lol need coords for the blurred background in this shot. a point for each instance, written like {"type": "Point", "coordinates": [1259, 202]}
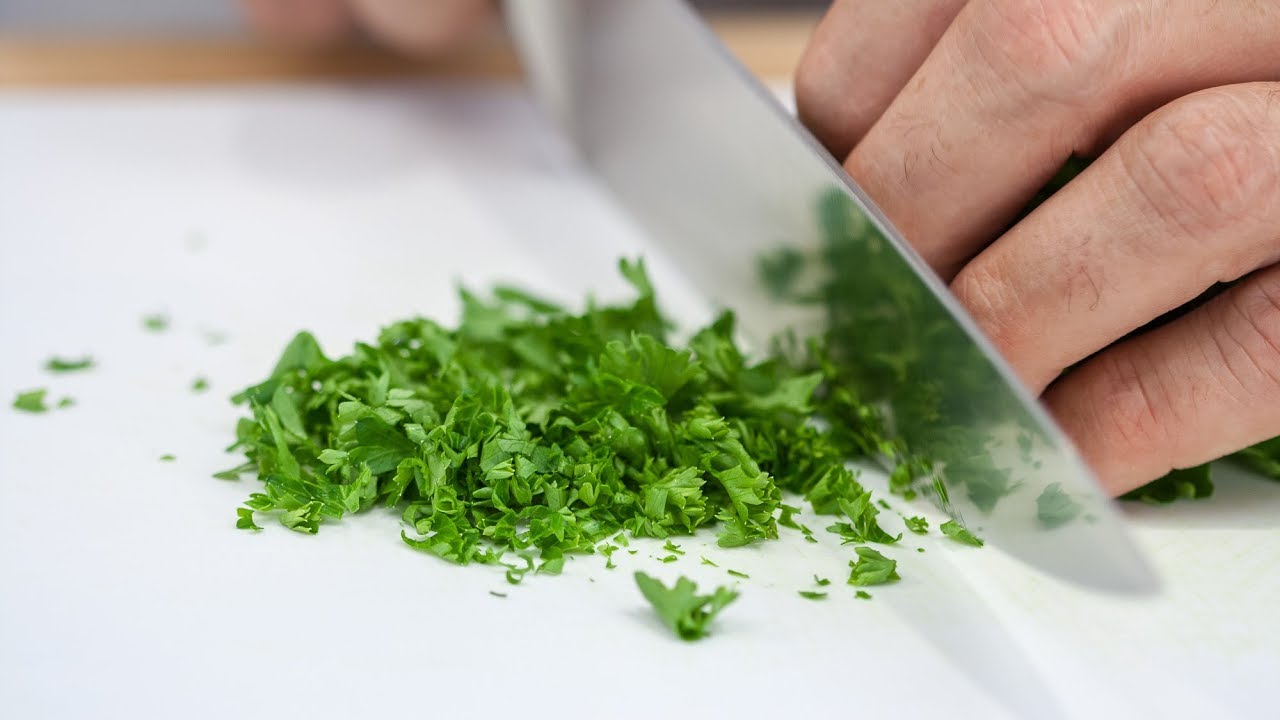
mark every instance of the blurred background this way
{"type": "Point", "coordinates": [52, 42]}
{"type": "Point", "coordinates": [206, 16]}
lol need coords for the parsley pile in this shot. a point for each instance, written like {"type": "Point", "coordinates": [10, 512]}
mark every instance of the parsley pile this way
{"type": "Point", "coordinates": [532, 431]}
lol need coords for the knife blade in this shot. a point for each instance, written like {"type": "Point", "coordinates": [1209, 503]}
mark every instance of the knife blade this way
{"type": "Point", "coordinates": [766, 222]}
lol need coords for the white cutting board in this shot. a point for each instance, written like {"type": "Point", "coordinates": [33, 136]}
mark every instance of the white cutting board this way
{"type": "Point", "coordinates": [126, 591]}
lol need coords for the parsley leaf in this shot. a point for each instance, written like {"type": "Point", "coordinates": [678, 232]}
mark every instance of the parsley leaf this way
{"type": "Point", "coordinates": [681, 608]}
{"type": "Point", "coordinates": [872, 568]}
{"type": "Point", "coordinates": [155, 323]}
{"type": "Point", "coordinates": [917, 524]}
{"type": "Point", "coordinates": [960, 533]}
{"type": "Point", "coordinates": [812, 595]}
{"type": "Point", "coordinates": [65, 365]}
{"type": "Point", "coordinates": [199, 385]}
{"type": "Point", "coordinates": [32, 401]}
{"type": "Point", "coordinates": [1055, 508]}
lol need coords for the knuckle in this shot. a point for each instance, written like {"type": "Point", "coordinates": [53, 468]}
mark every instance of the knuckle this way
{"type": "Point", "coordinates": [819, 102]}
{"type": "Point", "coordinates": [1256, 304]}
{"type": "Point", "coordinates": [1059, 50]}
{"type": "Point", "coordinates": [982, 289]}
{"type": "Point", "coordinates": [1130, 407]}
{"type": "Point", "coordinates": [1205, 162]}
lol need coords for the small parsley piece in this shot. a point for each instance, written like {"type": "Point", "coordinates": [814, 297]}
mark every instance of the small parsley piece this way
{"type": "Point", "coordinates": [66, 402]}
{"type": "Point", "coordinates": [670, 558]}
{"type": "Point", "coordinates": [65, 365]}
{"type": "Point", "coordinates": [917, 524]}
{"type": "Point", "coordinates": [168, 457]}
{"type": "Point", "coordinates": [681, 608]}
{"type": "Point", "coordinates": [608, 551]}
{"type": "Point", "coordinates": [244, 519]}
{"type": "Point", "coordinates": [862, 595]}
{"type": "Point", "coordinates": [737, 573]}
{"type": "Point", "coordinates": [497, 594]}
{"type": "Point", "coordinates": [1055, 508]}
{"type": "Point", "coordinates": [32, 401]}
{"type": "Point", "coordinates": [872, 568]}
{"type": "Point", "coordinates": [820, 581]}
{"type": "Point", "coordinates": [199, 385]}
{"type": "Point", "coordinates": [672, 547]}
{"type": "Point", "coordinates": [706, 561]}
{"type": "Point", "coordinates": [960, 533]}
{"type": "Point", "coordinates": [812, 595]}
{"type": "Point", "coordinates": [156, 323]}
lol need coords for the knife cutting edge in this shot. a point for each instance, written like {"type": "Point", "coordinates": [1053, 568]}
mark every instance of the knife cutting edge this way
{"type": "Point", "coordinates": [756, 212]}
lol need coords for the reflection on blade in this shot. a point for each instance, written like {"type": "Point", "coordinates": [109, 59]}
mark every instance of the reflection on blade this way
{"type": "Point", "coordinates": [766, 223]}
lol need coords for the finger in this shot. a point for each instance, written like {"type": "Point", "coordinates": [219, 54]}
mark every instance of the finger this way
{"type": "Point", "coordinates": [1015, 86]}
{"type": "Point", "coordinates": [309, 21]}
{"type": "Point", "coordinates": [1187, 198]}
{"type": "Point", "coordinates": [422, 28]}
{"type": "Point", "coordinates": [859, 57]}
{"type": "Point", "coordinates": [1201, 387]}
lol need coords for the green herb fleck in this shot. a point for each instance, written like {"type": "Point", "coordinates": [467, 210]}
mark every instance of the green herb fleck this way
{"type": "Point", "coordinates": [199, 385]}
{"type": "Point", "coordinates": [917, 524]}
{"type": "Point", "coordinates": [1055, 507]}
{"type": "Point", "coordinates": [812, 595]}
{"type": "Point", "coordinates": [681, 608]}
{"type": "Point", "coordinates": [737, 573]}
{"type": "Point", "coordinates": [168, 457]}
{"type": "Point", "coordinates": [244, 519]}
{"type": "Point", "coordinates": [497, 594]}
{"type": "Point", "coordinates": [707, 561]}
{"type": "Point", "coordinates": [862, 595]}
{"type": "Point", "coordinates": [155, 323]}
{"type": "Point", "coordinates": [821, 581]}
{"type": "Point", "coordinates": [960, 533]}
{"type": "Point", "coordinates": [672, 547]}
{"type": "Point", "coordinates": [65, 365]}
{"type": "Point", "coordinates": [32, 401]}
{"type": "Point", "coordinates": [872, 568]}
{"type": "Point", "coordinates": [670, 558]}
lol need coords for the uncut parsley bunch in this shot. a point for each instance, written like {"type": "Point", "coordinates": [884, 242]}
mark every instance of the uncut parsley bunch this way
{"type": "Point", "coordinates": [533, 430]}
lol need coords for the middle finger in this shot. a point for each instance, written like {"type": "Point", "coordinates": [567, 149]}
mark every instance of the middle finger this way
{"type": "Point", "coordinates": [1014, 87]}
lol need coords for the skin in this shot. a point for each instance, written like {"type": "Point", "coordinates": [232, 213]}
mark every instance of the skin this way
{"type": "Point", "coordinates": [952, 113]}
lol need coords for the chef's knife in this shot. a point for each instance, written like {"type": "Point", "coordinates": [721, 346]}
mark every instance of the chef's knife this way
{"type": "Point", "coordinates": [766, 222]}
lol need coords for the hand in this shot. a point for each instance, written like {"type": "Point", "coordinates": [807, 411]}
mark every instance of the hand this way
{"type": "Point", "coordinates": [415, 27]}
{"type": "Point", "coordinates": [952, 113]}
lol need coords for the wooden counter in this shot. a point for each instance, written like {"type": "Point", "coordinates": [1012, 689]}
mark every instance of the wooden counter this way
{"type": "Point", "coordinates": [770, 44]}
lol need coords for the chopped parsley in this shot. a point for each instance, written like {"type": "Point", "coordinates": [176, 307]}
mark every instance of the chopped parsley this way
{"type": "Point", "coordinates": [32, 401]}
{"type": "Point", "coordinates": [707, 561]}
{"type": "Point", "coordinates": [199, 385]}
{"type": "Point", "coordinates": [168, 457]}
{"type": "Point", "coordinates": [872, 568]}
{"type": "Point", "coordinates": [65, 365]}
{"type": "Point", "coordinates": [917, 524]}
{"type": "Point", "coordinates": [812, 595]}
{"type": "Point", "coordinates": [531, 429]}
{"type": "Point", "coordinates": [155, 323]}
{"type": "Point", "coordinates": [672, 547]}
{"type": "Point", "coordinates": [1055, 508]}
{"type": "Point", "coordinates": [821, 581]}
{"type": "Point", "coordinates": [862, 595]}
{"type": "Point", "coordinates": [681, 608]}
{"type": "Point", "coordinates": [960, 533]}
{"type": "Point", "coordinates": [738, 573]}
{"type": "Point", "coordinates": [66, 402]}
